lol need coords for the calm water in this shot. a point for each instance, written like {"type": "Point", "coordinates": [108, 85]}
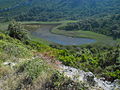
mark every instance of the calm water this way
{"type": "Point", "coordinates": [44, 33]}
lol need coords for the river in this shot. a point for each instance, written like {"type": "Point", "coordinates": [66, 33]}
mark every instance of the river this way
{"type": "Point", "coordinates": [44, 33]}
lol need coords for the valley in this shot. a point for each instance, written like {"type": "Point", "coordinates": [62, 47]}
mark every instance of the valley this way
{"type": "Point", "coordinates": [60, 45]}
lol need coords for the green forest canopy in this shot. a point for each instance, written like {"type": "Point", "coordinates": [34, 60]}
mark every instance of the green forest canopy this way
{"type": "Point", "coordinates": [49, 10]}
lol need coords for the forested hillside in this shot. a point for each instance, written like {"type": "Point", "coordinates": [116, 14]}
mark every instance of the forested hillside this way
{"type": "Point", "coordinates": [44, 10]}
{"type": "Point", "coordinates": [109, 25]}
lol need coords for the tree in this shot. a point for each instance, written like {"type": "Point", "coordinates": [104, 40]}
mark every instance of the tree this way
{"type": "Point", "coordinates": [115, 34]}
{"type": "Point", "coordinates": [17, 31]}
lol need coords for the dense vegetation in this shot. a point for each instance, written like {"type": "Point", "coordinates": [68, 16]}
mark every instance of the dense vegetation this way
{"type": "Point", "coordinates": [8, 3]}
{"type": "Point", "coordinates": [17, 31]}
{"type": "Point", "coordinates": [109, 25]}
{"type": "Point", "coordinates": [22, 66]}
{"type": "Point", "coordinates": [102, 60]}
{"type": "Point", "coordinates": [44, 10]}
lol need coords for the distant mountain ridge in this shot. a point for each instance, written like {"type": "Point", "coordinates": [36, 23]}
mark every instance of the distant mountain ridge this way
{"type": "Point", "coordinates": [49, 10]}
{"type": "Point", "coordinates": [20, 4]}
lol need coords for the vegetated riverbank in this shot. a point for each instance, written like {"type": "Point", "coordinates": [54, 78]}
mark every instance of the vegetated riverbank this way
{"type": "Point", "coordinates": [4, 26]}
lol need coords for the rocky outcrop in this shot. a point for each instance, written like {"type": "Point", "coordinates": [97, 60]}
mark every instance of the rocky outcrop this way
{"type": "Point", "coordinates": [89, 79]}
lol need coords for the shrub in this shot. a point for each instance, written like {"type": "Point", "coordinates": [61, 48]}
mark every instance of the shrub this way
{"type": "Point", "coordinates": [16, 30]}
{"type": "Point", "coordinates": [14, 50]}
{"type": "Point", "coordinates": [34, 68]}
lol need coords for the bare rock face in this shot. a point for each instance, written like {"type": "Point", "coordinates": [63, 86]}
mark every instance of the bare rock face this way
{"type": "Point", "coordinates": [89, 79]}
{"type": "Point", "coordinates": [11, 64]}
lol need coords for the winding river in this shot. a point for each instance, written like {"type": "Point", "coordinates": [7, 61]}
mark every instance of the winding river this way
{"type": "Point", "coordinates": [44, 33]}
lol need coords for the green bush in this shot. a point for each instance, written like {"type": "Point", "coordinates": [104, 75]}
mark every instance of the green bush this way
{"type": "Point", "coordinates": [59, 81]}
{"type": "Point", "coordinates": [34, 68]}
{"type": "Point", "coordinates": [10, 47]}
{"type": "Point", "coordinates": [99, 60]}
{"type": "Point", "coordinates": [17, 31]}
{"type": "Point", "coordinates": [14, 50]}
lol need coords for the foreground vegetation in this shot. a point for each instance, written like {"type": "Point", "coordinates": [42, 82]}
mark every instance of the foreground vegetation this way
{"type": "Point", "coordinates": [101, 60]}
{"type": "Point", "coordinates": [23, 67]}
